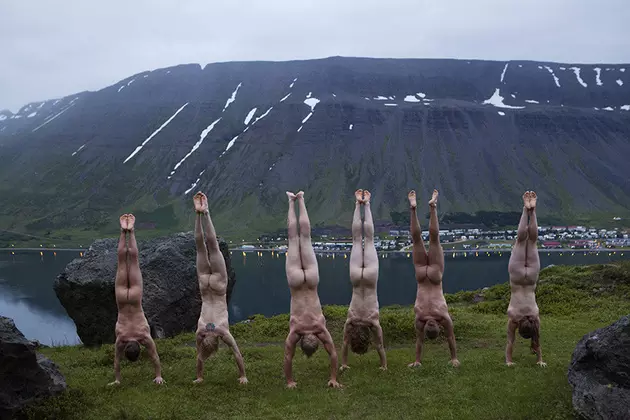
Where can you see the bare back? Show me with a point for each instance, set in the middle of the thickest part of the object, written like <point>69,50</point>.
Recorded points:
<point>524,265</point>
<point>306,310</point>
<point>213,288</point>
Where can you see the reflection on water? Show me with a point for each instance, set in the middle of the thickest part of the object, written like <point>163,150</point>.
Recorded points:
<point>27,296</point>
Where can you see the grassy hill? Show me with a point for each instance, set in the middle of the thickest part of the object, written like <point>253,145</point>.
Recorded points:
<point>573,301</point>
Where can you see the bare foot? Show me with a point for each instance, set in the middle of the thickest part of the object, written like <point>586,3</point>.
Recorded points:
<point>291,385</point>
<point>197,199</point>
<point>131,221</point>
<point>526,199</point>
<point>509,364</point>
<point>366,196</point>
<point>383,368</point>
<point>198,381</point>
<point>358,194</point>
<point>242,380</point>
<point>291,196</point>
<point>541,364</point>
<point>344,367</point>
<point>532,200</point>
<point>414,364</point>
<point>334,384</point>
<point>123,222</point>
<point>454,363</point>
<point>158,380</point>
<point>115,383</point>
<point>412,199</point>
<point>300,195</point>
<point>434,197</point>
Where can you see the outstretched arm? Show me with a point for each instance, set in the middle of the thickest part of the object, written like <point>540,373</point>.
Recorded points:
<point>447,323</point>
<point>155,359</point>
<point>419,344</point>
<point>289,352</point>
<point>117,354</point>
<point>229,340</point>
<point>344,347</point>
<point>327,341</point>
<point>511,335</point>
<point>380,348</point>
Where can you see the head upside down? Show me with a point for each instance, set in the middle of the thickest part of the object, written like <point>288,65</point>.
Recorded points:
<point>359,338</point>
<point>432,329</point>
<point>209,342</point>
<point>132,351</point>
<point>529,327</point>
<point>309,344</point>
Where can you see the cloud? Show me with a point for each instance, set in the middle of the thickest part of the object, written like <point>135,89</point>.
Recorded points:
<point>51,49</point>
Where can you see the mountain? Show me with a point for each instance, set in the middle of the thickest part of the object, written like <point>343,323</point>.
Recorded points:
<point>481,132</point>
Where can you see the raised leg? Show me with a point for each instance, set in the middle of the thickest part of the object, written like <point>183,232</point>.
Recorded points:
<point>293,252</point>
<point>518,257</point>
<point>203,263</point>
<point>436,253</point>
<point>122,277</point>
<point>307,253</point>
<point>135,276</point>
<point>420,257</point>
<point>356,255</point>
<point>532,257</point>
<point>370,257</point>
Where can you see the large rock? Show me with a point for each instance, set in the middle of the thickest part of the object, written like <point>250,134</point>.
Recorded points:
<point>171,297</point>
<point>25,375</point>
<point>600,373</point>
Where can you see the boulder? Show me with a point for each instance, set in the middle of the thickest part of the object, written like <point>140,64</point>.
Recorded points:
<point>600,373</point>
<point>171,299</point>
<point>26,376</point>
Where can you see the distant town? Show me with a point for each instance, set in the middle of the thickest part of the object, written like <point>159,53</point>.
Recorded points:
<point>550,237</point>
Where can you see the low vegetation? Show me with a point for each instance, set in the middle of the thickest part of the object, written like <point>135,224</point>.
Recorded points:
<point>573,301</point>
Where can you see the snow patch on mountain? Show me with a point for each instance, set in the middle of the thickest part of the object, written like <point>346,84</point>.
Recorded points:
<point>233,97</point>
<point>202,137</point>
<point>250,115</point>
<point>155,133</point>
<point>576,70</point>
<point>497,100</point>
<point>598,75</point>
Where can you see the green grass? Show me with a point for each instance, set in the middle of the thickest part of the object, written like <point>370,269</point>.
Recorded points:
<point>573,301</point>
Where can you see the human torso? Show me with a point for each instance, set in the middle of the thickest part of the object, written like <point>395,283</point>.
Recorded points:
<point>430,302</point>
<point>523,296</point>
<point>213,288</point>
<point>306,310</point>
<point>132,324</point>
<point>364,304</point>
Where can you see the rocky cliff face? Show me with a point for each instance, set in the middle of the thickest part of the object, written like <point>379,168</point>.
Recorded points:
<point>26,376</point>
<point>171,299</point>
<point>600,373</point>
<point>244,132</point>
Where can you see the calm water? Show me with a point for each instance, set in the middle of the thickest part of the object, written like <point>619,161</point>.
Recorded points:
<point>26,279</point>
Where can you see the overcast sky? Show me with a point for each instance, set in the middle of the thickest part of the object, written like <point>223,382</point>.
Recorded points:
<point>51,48</point>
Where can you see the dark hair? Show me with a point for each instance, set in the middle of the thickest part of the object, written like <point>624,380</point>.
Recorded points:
<point>132,351</point>
<point>309,344</point>
<point>529,327</point>
<point>359,337</point>
<point>431,329</point>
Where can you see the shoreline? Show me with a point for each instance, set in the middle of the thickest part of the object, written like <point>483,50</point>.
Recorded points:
<point>446,251</point>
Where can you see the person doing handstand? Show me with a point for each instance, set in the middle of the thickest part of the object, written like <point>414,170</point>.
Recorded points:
<point>524,266</point>
<point>307,324</point>
<point>363,315</point>
<point>430,308</point>
<point>132,327</point>
<point>213,321</point>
